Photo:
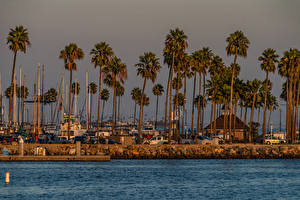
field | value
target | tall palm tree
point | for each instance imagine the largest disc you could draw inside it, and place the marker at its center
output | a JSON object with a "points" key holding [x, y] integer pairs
{"points": [[147, 67], [237, 46], [70, 54], [101, 56], [135, 96], [186, 72], [289, 67], [104, 98], [92, 89], [157, 90], [115, 71], [254, 89], [51, 97], [175, 45], [268, 60], [202, 61], [18, 40]]}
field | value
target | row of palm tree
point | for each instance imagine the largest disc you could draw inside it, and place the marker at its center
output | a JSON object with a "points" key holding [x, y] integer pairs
{"points": [[223, 89]]}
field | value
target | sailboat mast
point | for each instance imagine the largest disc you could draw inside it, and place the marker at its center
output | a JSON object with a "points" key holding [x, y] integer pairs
{"points": [[15, 100], [34, 110], [20, 84], [39, 100], [23, 102], [75, 108], [43, 98]]}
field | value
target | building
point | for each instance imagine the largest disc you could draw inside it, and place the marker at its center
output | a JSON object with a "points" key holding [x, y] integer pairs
{"points": [[240, 128]]}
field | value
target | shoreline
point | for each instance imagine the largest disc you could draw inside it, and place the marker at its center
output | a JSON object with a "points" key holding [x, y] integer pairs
{"points": [[92, 152]]}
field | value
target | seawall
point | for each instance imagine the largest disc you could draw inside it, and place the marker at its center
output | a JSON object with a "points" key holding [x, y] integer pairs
{"points": [[234, 151]]}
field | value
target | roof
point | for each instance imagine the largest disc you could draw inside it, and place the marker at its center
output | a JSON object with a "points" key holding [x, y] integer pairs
{"points": [[239, 124]]}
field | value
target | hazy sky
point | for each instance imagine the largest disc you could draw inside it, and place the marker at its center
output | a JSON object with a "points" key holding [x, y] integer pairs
{"points": [[133, 27]]}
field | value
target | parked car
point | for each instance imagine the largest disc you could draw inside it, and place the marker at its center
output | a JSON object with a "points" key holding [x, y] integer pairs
{"points": [[274, 140], [110, 141], [156, 140]]}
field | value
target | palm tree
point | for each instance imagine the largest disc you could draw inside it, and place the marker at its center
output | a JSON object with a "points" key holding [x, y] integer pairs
{"points": [[104, 97], [254, 89], [157, 90], [185, 63], [101, 56], [289, 67], [147, 68], [175, 45], [120, 92], [115, 71], [135, 96], [92, 89], [70, 54], [237, 46], [202, 61], [268, 59], [199, 99], [51, 97], [18, 41]]}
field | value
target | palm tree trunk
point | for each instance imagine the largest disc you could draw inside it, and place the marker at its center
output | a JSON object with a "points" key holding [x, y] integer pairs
{"points": [[265, 107], [103, 104], [234, 120], [289, 120], [215, 123], [296, 105], [251, 118], [69, 121], [245, 116], [114, 108], [119, 102], [225, 122], [91, 109], [183, 109], [294, 110], [211, 116], [176, 109], [140, 113], [134, 111], [166, 102], [193, 106], [156, 111], [11, 92], [269, 120], [99, 98], [170, 100], [203, 107], [231, 93], [198, 104]]}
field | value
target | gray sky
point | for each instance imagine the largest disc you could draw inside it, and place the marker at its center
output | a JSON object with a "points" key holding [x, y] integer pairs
{"points": [[133, 27]]}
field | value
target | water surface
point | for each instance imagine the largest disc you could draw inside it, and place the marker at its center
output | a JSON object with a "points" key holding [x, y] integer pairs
{"points": [[152, 179]]}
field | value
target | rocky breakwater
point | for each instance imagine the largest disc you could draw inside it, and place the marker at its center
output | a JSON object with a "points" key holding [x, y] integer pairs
{"points": [[234, 151], [238, 151]]}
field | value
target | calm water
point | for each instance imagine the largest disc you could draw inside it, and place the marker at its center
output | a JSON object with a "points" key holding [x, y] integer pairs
{"points": [[153, 179]]}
